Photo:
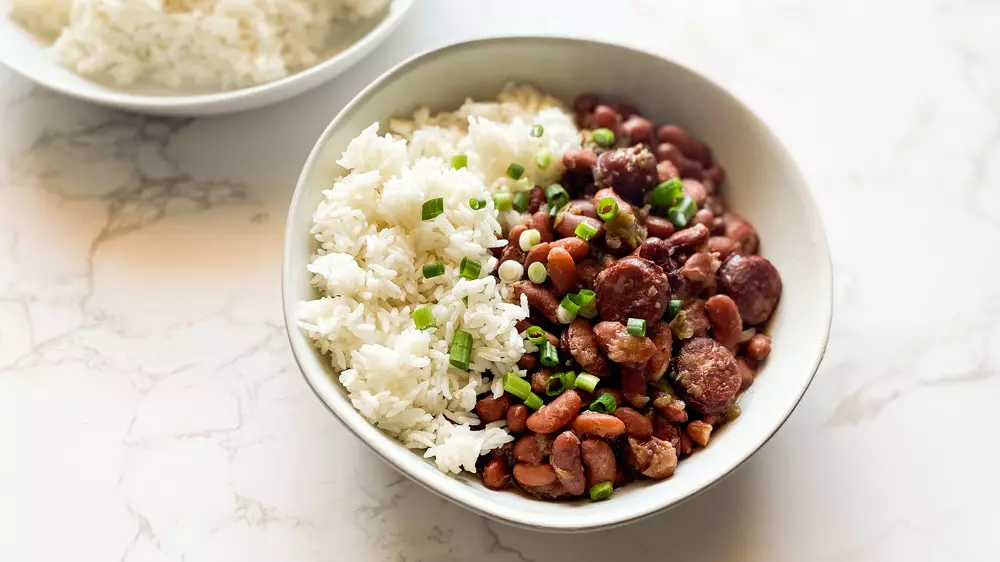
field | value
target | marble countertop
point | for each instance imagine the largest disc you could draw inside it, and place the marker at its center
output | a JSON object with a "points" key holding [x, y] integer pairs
{"points": [[150, 409]]}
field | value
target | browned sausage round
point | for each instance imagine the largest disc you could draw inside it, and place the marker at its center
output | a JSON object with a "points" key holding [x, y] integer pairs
{"points": [[652, 457], [532, 448], [562, 271], [632, 288], [662, 337], [630, 171], [578, 248], [556, 414], [566, 462], [659, 227], [517, 418], [620, 346], [636, 424], [727, 326], [598, 425], [599, 460], [739, 230], [755, 285], [579, 160], [759, 347], [491, 409], [708, 374], [583, 348], [691, 147], [534, 474], [539, 298], [496, 474]]}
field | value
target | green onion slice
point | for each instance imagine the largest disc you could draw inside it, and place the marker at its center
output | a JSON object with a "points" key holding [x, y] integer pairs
{"points": [[605, 404], [555, 385], [460, 351], [607, 208], [535, 335], [432, 208], [584, 297], [673, 307], [533, 401], [423, 317], [470, 268], [603, 137], [537, 130], [556, 195], [477, 204], [515, 171], [636, 327], [569, 304], [516, 386], [459, 161], [537, 273], [543, 158], [682, 212], [585, 230], [522, 200], [549, 356], [601, 491], [668, 193], [433, 270], [502, 202], [587, 382]]}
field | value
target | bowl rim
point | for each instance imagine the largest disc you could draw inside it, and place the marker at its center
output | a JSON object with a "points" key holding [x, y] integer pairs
{"points": [[551, 526], [142, 102]]}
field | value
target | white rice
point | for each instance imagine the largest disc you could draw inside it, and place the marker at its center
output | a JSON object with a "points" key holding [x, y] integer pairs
{"points": [[368, 270], [215, 44]]}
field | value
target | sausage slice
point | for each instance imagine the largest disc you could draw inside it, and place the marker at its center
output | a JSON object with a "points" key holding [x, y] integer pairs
{"points": [[755, 285], [708, 374], [632, 288]]}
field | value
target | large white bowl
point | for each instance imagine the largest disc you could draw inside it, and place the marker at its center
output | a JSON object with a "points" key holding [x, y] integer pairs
{"points": [[763, 184], [27, 56]]}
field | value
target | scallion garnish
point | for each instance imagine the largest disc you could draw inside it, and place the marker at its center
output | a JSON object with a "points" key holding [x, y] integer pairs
{"points": [[601, 491], [605, 404], [515, 171], [477, 204], [555, 385], [533, 401], [668, 193], [537, 130], [460, 351], [423, 317], [502, 202], [673, 307], [459, 161], [433, 270], [636, 327], [516, 386], [537, 273], [522, 200], [587, 381], [556, 196], [548, 356], [584, 297], [585, 230], [470, 269], [529, 239], [535, 335], [603, 137], [432, 208], [680, 214], [543, 158], [607, 208]]}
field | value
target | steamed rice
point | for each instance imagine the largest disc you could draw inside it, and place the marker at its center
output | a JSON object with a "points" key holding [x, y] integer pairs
{"points": [[368, 268], [214, 44]]}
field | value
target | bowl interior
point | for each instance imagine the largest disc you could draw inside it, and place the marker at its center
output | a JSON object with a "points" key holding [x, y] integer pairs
{"points": [[763, 184], [27, 55]]}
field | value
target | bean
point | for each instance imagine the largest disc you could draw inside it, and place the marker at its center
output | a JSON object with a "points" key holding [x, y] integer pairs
{"points": [[513, 251], [727, 326], [755, 285], [536, 199], [579, 160], [567, 223], [637, 129], [690, 237], [534, 475], [716, 204], [691, 147], [537, 253], [705, 217], [697, 319], [556, 414], [652, 457], [707, 371], [740, 230], [685, 448], [632, 288], [620, 346], [542, 222], [695, 190], [527, 362], [722, 246], [636, 424], [746, 373], [700, 270], [578, 248], [490, 409], [583, 348], [539, 380], [517, 418], [716, 174], [666, 431], [614, 392], [562, 271], [566, 462], [759, 347], [665, 170], [718, 227], [607, 117], [699, 432], [532, 448], [657, 251], [630, 171], [598, 425], [585, 103], [659, 227], [539, 298], [686, 167], [496, 474], [672, 409], [599, 460]]}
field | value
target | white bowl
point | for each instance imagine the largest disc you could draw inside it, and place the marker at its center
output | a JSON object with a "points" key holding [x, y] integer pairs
{"points": [[763, 184], [27, 56]]}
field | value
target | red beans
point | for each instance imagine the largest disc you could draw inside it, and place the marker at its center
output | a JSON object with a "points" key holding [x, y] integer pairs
{"points": [[607, 117], [583, 348], [557, 414], [630, 171], [632, 288], [685, 167], [562, 271], [754, 284], [567, 463], [578, 248], [659, 227], [598, 425], [579, 160], [541, 222], [695, 190], [636, 424], [707, 372], [567, 223], [532, 448], [539, 298], [690, 237], [722, 246], [496, 474], [517, 418], [741, 232], [759, 347], [534, 474], [637, 129], [599, 460], [691, 147], [727, 326], [620, 346], [491, 409]]}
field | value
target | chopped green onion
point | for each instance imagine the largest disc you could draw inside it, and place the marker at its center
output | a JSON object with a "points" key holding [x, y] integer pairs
{"points": [[589, 310], [423, 317], [673, 307], [567, 315], [459, 161], [607, 208], [477, 204], [637, 327], [433, 270], [605, 404], [584, 297], [470, 269], [585, 230], [461, 350], [668, 193], [680, 214], [537, 273], [603, 137], [549, 357], [601, 491], [587, 381], [533, 401], [515, 171], [535, 335], [465, 300], [569, 304], [510, 271], [523, 184], [543, 158], [516, 386], [537, 130], [556, 195], [529, 239], [432, 208], [522, 200], [555, 385], [502, 202]]}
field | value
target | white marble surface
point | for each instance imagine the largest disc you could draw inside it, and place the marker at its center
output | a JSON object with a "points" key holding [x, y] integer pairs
{"points": [[150, 409]]}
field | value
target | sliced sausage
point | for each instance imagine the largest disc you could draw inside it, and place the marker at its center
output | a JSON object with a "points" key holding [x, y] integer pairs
{"points": [[632, 288], [620, 346], [598, 425], [727, 326], [599, 460], [556, 414], [566, 462], [755, 285], [708, 374], [630, 171], [652, 457], [583, 348]]}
